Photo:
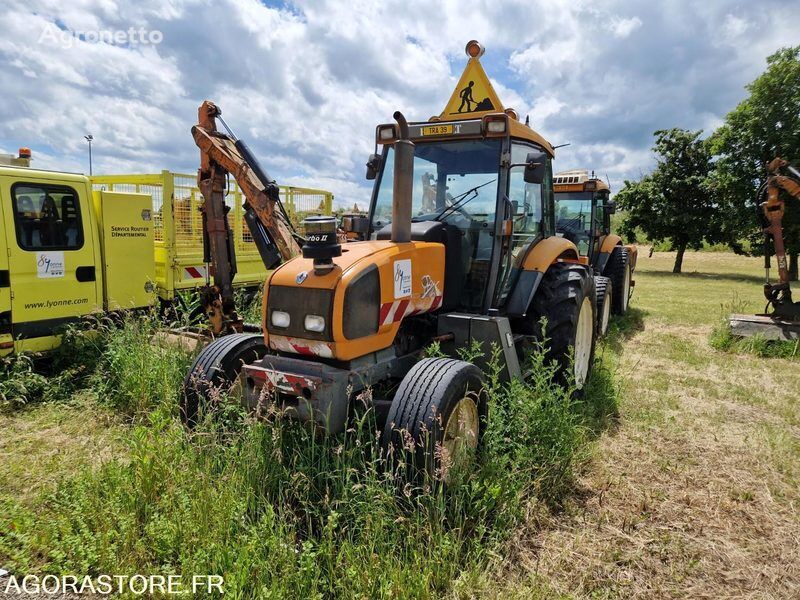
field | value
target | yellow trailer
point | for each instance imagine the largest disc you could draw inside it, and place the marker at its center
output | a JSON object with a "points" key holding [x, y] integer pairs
{"points": [[178, 226], [74, 246]]}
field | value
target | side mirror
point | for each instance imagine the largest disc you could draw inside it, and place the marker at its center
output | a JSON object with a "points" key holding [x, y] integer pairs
{"points": [[610, 207], [535, 167], [373, 166]]}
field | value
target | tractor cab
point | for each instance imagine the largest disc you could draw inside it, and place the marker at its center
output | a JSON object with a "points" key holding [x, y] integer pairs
{"points": [[583, 211], [481, 185]]}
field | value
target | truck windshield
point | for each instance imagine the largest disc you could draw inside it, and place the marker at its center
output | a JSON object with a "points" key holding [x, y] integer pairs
{"points": [[574, 218], [454, 181]]}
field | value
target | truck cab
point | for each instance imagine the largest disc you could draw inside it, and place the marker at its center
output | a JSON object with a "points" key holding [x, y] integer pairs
{"points": [[58, 253]]}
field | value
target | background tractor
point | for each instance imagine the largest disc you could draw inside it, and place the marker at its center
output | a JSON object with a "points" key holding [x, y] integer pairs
{"points": [[583, 216], [459, 246]]}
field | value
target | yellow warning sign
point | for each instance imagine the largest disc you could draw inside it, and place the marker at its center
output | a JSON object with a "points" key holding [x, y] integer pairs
{"points": [[473, 96]]}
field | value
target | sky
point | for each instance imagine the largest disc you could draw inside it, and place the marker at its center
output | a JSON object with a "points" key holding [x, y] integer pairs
{"points": [[305, 83]]}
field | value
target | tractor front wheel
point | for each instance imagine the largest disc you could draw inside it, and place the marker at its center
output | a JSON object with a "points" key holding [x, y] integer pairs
{"points": [[436, 419], [216, 370]]}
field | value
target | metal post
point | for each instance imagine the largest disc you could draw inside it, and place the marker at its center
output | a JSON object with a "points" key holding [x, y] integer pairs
{"points": [[89, 139]]}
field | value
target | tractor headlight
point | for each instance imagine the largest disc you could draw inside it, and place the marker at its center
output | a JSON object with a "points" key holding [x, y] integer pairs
{"points": [[496, 126], [280, 319], [314, 323]]}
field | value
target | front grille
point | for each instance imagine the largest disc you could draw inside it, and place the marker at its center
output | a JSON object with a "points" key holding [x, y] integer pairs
{"points": [[299, 302]]}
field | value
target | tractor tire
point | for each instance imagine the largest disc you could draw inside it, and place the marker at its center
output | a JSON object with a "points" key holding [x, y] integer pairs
{"points": [[605, 297], [217, 369], [619, 272], [436, 418], [566, 300]]}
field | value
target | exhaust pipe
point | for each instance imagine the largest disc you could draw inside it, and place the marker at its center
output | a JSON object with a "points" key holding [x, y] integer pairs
{"points": [[403, 182]]}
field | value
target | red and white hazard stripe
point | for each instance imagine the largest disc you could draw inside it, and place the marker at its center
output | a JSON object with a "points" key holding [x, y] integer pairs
{"points": [[195, 272], [299, 346], [392, 312]]}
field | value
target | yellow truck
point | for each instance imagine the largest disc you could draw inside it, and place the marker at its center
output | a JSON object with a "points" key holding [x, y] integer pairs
{"points": [[76, 245]]}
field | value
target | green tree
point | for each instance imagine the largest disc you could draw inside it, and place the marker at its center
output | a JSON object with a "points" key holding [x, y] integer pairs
{"points": [[672, 203], [764, 125]]}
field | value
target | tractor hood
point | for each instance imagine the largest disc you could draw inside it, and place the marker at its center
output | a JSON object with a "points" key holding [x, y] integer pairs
{"points": [[357, 307]]}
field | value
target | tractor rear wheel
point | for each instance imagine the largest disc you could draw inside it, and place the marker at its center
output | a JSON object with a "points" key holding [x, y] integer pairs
{"points": [[436, 418], [605, 297], [216, 370], [566, 300], [619, 271]]}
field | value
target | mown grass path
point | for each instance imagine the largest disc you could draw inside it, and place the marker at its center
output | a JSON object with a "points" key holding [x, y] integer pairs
{"points": [[695, 493]]}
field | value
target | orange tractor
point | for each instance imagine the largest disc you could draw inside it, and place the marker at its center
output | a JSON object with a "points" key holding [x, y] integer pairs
{"points": [[459, 246], [583, 216]]}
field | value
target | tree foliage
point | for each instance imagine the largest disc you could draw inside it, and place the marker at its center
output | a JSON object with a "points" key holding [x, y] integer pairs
{"points": [[673, 203], [764, 125]]}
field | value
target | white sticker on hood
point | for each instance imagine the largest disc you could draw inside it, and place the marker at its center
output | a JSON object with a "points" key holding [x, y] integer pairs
{"points": [[402, 278]]}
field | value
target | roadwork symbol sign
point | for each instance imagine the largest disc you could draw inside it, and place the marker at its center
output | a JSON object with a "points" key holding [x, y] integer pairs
{"points": [[473, 96]]}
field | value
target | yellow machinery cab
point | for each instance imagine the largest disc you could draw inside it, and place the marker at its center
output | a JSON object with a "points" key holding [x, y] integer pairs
{"points": [[583, 216], [69, 252]]}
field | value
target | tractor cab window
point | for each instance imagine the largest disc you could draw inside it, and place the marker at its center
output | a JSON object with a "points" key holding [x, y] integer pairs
{"points": [[527, 208], [602, 218], [574, 218], [454, 182], [47, 217]]}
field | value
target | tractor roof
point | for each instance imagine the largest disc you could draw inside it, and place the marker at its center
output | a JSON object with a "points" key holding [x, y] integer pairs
{"points": [[472, 103], [577, 180]]}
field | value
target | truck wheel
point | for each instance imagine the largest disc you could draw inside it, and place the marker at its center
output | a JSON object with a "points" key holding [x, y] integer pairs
{"points": [[605, 296], [436, 418], [619, 271], [566, 299], [217, 369]]}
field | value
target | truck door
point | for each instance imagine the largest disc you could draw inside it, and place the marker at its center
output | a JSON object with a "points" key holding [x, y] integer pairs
{"points": [[51, 251], [6, 339]]}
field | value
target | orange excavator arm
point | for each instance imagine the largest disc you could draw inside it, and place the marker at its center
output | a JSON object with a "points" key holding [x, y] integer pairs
{"points": [[273, 234], [779, 294]]}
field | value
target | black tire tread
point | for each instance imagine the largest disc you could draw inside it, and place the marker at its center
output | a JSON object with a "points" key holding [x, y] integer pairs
{"points": [[602, 286], [214, 367], [618, 262], [558, 300], [416, 403]]}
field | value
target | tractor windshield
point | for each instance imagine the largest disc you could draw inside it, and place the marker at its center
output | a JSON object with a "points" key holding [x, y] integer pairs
{"points": [[574, 218], [454, 181]]}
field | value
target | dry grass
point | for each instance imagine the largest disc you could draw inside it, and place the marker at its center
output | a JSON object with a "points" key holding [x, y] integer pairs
{"points": [[47, 442], [696, 493]]}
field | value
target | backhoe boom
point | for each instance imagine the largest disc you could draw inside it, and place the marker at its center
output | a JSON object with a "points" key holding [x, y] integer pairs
{"points": [[220, 155]]}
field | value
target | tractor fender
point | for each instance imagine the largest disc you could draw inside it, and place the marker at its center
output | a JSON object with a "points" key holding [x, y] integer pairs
{"points": [[536, 263], [607, 245], [633, 254]]}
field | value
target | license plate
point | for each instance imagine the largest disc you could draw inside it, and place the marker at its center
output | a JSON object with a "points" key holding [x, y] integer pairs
{"points": [[437, 130]]}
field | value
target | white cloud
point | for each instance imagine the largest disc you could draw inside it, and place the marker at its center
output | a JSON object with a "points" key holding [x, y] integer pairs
{"points": [[306, 83], [622, 28]]}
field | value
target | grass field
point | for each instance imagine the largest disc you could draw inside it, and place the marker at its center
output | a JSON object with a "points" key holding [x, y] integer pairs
{"points": [[677, 477]]}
